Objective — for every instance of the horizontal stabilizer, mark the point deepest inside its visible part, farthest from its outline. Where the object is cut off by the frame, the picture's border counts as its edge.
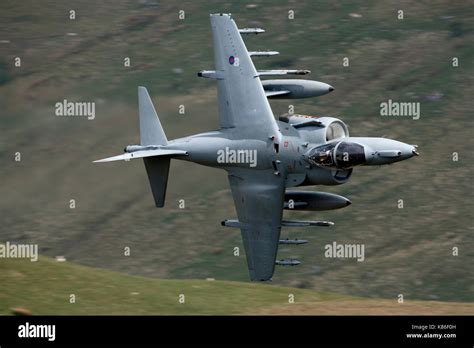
(142, 154)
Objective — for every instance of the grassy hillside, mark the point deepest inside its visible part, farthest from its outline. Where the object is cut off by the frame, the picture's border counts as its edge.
(408, 250)
(45, 287)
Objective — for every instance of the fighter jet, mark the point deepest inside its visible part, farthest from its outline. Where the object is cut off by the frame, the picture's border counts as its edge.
(262, 156)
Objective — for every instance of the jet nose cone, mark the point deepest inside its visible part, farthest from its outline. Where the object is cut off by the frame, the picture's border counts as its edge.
(331, 88)
(407, 151)
(386, 151)
(414, 150)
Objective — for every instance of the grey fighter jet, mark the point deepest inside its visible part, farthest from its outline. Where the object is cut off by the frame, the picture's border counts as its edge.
(262, 156)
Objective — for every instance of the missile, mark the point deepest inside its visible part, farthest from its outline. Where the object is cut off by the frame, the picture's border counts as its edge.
(295, 89)
(314, 201)
(300, 223)
(251, 31)
(287, 262)
(231, 223)
(211, 74)
(282, 72)
(293, 241)
(284, 223)
(263, 53)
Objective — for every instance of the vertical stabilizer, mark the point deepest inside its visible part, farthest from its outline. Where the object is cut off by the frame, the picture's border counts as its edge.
(157, 169)
(151, 131)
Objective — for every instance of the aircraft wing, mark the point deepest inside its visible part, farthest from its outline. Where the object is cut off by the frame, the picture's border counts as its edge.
(242, 101)
(259, 198)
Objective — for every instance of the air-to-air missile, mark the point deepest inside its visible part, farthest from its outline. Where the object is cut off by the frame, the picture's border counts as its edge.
(251, 30)
(301, 223)
(283, 72)
(286, 223)
(263, 53)
(293, 241)
(312, 87)
(287, 262)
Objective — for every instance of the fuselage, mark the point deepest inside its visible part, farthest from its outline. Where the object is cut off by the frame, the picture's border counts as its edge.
(304, 154)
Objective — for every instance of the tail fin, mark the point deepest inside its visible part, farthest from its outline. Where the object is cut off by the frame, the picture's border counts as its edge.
(157, 159)
(157, 169)
(151, 131)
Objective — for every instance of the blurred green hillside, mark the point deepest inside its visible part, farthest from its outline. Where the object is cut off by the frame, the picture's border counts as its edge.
(45, 288)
